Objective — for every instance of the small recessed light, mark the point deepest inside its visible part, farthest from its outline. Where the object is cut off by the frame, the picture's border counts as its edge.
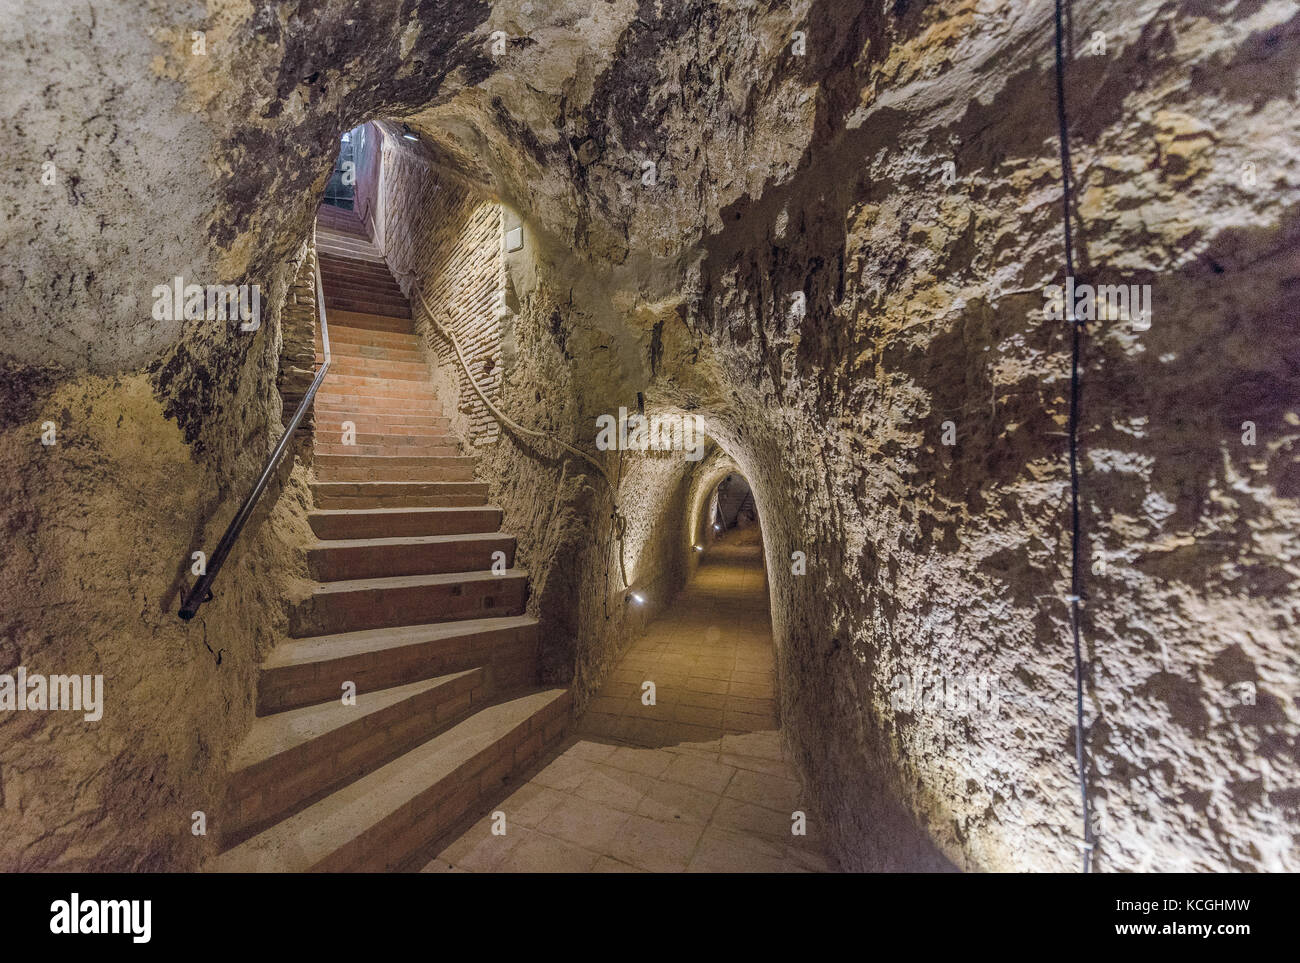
(636, 597)
(409, 134)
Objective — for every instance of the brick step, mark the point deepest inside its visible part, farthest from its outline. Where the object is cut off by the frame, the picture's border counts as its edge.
(370, 424)
(352, 248)
(359, 334)
(370, 420)
(393, 387)
(341, 252)
(361, 558)
(346, 240)
(383, 286)
(369, 306)
(330, 216)
(448, 473)
(345, 385)
(349, 250)
(329, 235)
(362, 495)
(307, 671)
(380, 283)
(361, 385)
(331, 433)
(342, 364)
(380, 372)
(333, 255)
(291, 759)
(401, 522)
(378, 329)
(360, 399)
(331, 230)
(374, 398)
(387, 819)
(379, 289)
(398, 467)
(374, 322)
(365, 354)
(430, 444)
(348, 353)
(370, 294)
(352, 272)
(437, 447)
(350, 403)
(362, 413)
(377, 603)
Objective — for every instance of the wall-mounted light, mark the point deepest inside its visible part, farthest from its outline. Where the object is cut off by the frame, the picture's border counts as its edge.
(717, 528)
(699, 548)
(409, 134)
(636, 597)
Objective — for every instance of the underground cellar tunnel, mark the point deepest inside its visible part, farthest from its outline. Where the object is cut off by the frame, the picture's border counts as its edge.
(617, 436)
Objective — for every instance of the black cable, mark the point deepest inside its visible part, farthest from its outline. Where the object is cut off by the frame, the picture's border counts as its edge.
(1076, 571)
(617, 527)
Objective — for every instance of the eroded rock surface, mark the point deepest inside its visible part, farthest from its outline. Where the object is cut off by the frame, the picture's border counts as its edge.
(806, 272)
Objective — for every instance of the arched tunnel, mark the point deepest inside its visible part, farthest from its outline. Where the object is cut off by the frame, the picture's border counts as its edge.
(619, 436)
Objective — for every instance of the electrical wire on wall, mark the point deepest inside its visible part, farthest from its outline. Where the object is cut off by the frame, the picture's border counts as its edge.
(1075, 597)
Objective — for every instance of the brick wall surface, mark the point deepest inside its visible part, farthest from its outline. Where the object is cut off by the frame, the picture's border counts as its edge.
(448, 241)
(298, 351)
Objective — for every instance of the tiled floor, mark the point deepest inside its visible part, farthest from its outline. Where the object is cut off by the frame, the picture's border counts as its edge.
(693, 783)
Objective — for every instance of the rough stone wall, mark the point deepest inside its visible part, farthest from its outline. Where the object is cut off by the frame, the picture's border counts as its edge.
(925, 305)
(99, 528)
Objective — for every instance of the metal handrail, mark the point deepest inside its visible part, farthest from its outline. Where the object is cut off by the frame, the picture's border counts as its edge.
(202, 590)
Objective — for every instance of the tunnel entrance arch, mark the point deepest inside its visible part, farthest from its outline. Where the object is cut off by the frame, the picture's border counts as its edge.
(721, 500)
(732, 504)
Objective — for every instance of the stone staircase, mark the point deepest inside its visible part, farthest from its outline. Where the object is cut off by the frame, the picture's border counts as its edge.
(406, 608)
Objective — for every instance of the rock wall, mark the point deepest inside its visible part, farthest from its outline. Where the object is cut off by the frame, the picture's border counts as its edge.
(99, 527)
(925, 306)
(838, 257)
